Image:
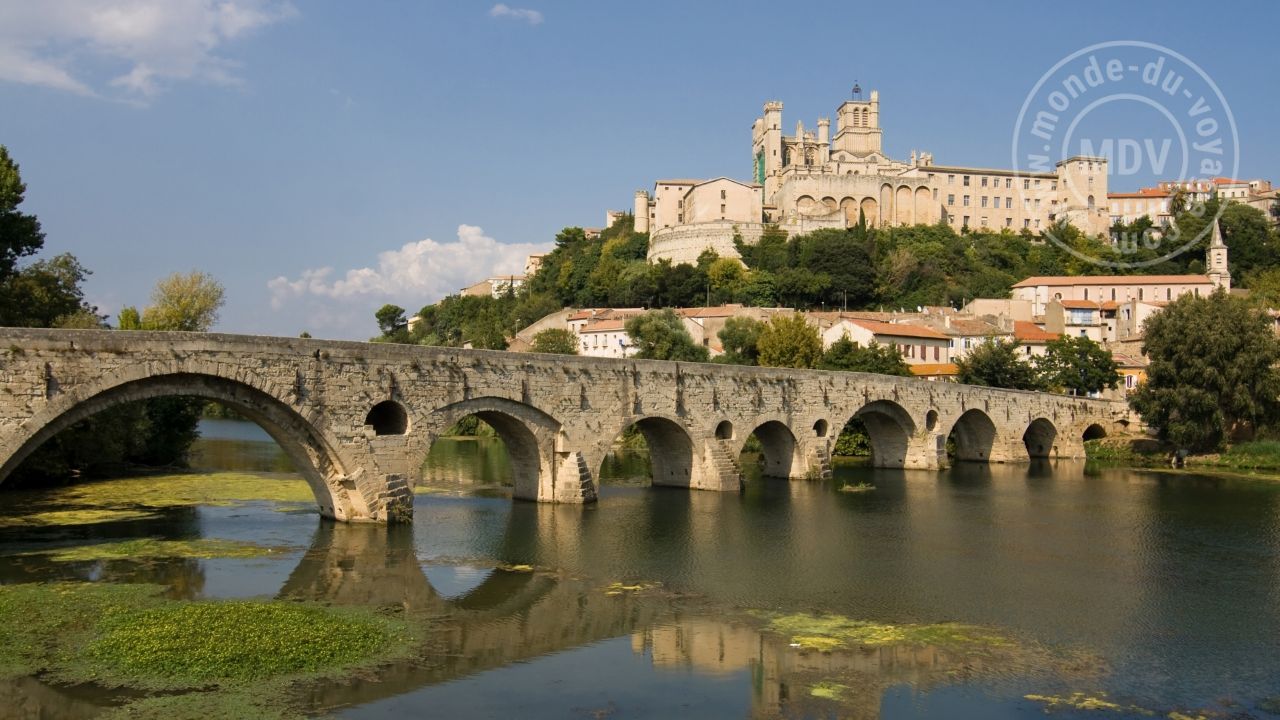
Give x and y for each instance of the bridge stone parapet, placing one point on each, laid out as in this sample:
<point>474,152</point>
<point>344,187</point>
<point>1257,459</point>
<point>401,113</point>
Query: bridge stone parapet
<point>358,419</point>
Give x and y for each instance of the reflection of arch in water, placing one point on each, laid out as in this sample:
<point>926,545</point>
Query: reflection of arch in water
<point>377,566</point>
<point>313,451</point>
<point>510,617</point>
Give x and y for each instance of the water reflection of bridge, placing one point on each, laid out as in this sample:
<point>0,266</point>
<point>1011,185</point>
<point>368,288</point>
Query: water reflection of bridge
<point>512,616</point>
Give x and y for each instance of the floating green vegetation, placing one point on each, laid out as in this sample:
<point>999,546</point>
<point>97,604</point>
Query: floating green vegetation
<point>138,498</point>
<point>857,487</point>
<point>828,690</point>
<point>826,633</point>
<point>190,643</point>
<point>129,636</point>
<point>618,588</point>
<point>86,516</point>
<point>518,568</point>
<point>201,549</point>
<point>223,488</point>
<point>1085,701</point>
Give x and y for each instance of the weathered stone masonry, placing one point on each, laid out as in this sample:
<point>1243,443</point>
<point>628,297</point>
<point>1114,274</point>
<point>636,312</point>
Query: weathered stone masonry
<point>358,419</point>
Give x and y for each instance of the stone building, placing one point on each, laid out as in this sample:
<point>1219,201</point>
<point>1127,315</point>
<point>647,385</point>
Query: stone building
<point>812,180</point>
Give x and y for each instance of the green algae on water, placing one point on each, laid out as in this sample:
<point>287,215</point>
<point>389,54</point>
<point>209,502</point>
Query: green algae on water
<point>139,498</point>
<point>146,548</point>
<point>192,643</point>
<point>1084,701</point>
<point>829,690</point>
<point>826,633</point>
<point>85,516</point>
<point>129,636</point>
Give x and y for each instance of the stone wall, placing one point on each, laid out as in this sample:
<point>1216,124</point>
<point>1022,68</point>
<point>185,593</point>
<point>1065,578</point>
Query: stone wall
<point>558,415</point>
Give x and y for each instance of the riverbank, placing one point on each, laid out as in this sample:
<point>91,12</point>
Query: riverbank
<point>1257,458</point>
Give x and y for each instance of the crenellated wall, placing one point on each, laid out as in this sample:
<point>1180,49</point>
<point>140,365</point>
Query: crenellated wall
<point>558,415</point>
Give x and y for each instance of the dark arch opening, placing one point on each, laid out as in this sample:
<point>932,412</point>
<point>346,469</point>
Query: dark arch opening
<point>724,431</point>
<point>654,448</point>
<point>488,447</point>
<point>887,426</point>
<point>388,418</point>
<point>1094,432</point>
<point>972,436</point>
<point>820,428</point>
<point>1039,438</point>
<point>931,420</point>
<point>310,453</point>
<point>772,448</point>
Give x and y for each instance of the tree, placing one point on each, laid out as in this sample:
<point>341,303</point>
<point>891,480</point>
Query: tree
<point>129,318</point>
<point>392,325</point>
<point>1078,365</point>
<point>1212,374</point>
<point>739,337</point>
<point>184,301</point>
<point>996,363</point>
<point>20,233</point>
<point>41,293</point>
<point>845,354</point>
<point>660,335</point>
<point>789,341</point>
<point>556,341</point>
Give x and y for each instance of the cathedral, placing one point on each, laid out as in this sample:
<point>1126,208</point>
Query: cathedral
<point>808,181</point>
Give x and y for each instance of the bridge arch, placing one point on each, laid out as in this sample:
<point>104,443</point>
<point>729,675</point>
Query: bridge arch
<point>528,433</point>
<point>1039,437</point>
<point>1093,431</point>
<point>779,449</point>
<point>312,449</point>
<point>974,434</point>
<point>889,428</point>
<point>671,455</point>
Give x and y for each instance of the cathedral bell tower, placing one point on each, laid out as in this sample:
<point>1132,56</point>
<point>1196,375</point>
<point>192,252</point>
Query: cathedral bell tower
<point>1216,260</point>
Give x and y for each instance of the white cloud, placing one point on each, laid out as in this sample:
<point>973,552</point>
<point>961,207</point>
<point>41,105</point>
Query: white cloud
<point>416,274</point>
<point>533,17</point>
<point>133,46</point>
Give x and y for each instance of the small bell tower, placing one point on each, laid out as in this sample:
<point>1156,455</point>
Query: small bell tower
<point>1216,260</point>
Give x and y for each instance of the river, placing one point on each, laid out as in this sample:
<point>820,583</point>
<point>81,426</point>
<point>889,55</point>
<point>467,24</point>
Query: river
<point>1151,592</point>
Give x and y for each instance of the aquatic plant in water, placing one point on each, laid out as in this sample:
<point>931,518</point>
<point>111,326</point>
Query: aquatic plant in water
<point>146,548</point>
<point>826,633</point>
<point>129,636</point>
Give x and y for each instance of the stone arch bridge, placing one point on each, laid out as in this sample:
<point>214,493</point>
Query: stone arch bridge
<point>358,419</point>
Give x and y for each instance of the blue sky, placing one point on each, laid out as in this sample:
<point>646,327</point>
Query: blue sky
<point>410,148</point>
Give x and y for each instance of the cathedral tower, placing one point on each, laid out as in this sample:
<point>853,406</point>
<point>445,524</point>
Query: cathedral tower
<point>858,127</point>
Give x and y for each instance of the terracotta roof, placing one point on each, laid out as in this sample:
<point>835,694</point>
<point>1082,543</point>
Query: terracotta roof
<point>1110,305</point>
<point>897,329</point>
<point>603,326</point>
<point>973,327</point>
<point>935,369</point>
<point>582,315</point>
<point>1032,333</point>
<point>1080,304</point>
<point>1069,280</point>
<point>1143,192</point>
